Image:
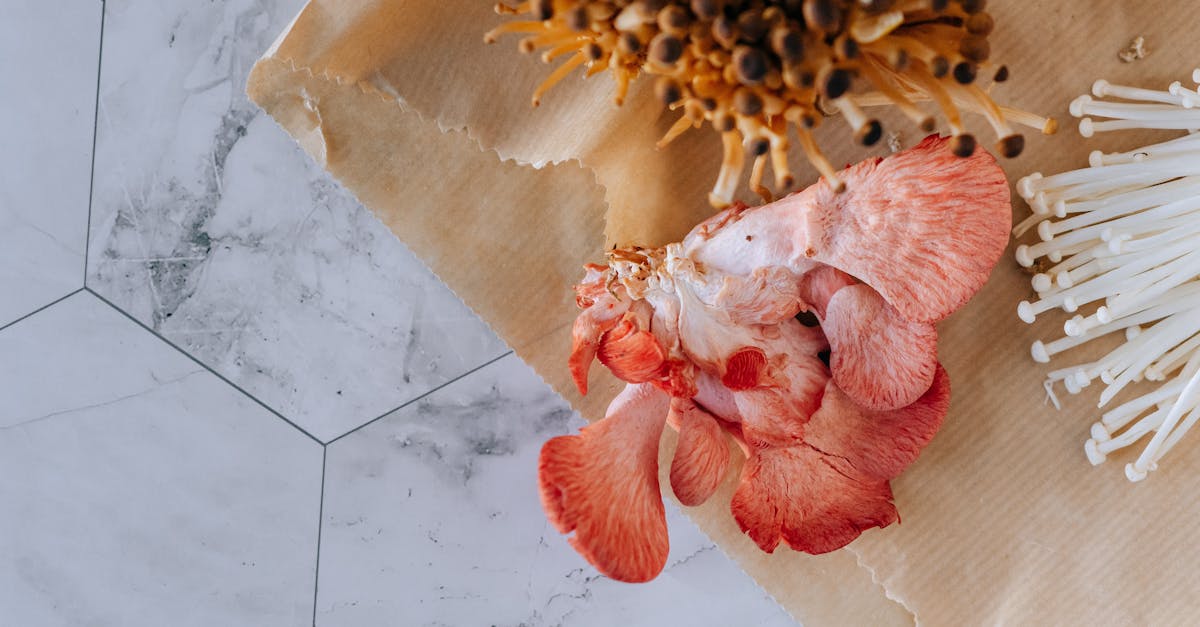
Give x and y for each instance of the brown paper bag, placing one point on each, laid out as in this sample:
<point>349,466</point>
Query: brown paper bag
<point>1003,519</point>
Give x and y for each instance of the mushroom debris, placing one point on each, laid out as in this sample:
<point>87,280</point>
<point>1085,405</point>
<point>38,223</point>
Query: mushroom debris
<point>1119,251</point>
<point>755,68</point>
<point>705,334</point>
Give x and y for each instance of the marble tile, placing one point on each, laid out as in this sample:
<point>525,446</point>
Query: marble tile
<point>139,489</point>
<point>212,227</point>
<point>48,82</point>
<point>432,518</point>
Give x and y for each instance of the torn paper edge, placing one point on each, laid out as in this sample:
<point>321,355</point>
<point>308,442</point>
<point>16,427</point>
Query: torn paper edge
<point>887,592</point>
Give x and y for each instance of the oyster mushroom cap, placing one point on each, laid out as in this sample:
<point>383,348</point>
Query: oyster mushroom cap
<point>922,227</point>
<point>818,286</point>
<point>824,512</point>
<point>602,484</point>
<point>876,356</point>
<point>879,444</point>
<point>846,459</point>
<point>701,456</point>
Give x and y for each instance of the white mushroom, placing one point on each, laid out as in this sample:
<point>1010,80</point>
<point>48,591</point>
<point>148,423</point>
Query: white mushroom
<point>1122,242</point>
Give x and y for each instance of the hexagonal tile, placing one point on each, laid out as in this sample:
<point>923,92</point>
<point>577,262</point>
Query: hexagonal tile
<point>140,489</point>
<point>432,517</point>
<point>211,226</point>
<point>48,78</point>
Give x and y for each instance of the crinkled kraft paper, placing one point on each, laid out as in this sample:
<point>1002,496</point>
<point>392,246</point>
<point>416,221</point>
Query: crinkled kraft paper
<point>1004,521</point>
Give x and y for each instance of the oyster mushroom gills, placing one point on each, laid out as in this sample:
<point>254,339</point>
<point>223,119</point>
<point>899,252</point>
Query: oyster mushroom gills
<point>756,69</point>
<point>704,332</point>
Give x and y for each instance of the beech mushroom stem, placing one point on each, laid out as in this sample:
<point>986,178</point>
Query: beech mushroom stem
<point>731,169</point>
<point>557,75</point>
<point>730,62</point>
<point>818,160</point>
<point>867,131</point>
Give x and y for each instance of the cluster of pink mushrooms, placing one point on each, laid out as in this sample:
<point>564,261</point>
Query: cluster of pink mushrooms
<point>706,335</point>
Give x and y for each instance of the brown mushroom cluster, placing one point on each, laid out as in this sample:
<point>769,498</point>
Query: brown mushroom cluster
<point>755,68</point>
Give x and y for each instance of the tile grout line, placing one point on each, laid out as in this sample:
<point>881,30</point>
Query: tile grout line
<point>87,235</point>
<point>422,395</point>
<point>203,365</point>
<point>41,309</point>
<point>320,525</point>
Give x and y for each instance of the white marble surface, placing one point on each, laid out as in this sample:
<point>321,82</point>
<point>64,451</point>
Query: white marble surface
<point>47,103</point>
<point>212,227</point>
<point>141,486</point>
<point>432,518</point>
<point>135,486</point>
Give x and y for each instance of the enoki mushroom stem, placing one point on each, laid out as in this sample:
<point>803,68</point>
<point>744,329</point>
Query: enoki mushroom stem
<point>1122,234</point>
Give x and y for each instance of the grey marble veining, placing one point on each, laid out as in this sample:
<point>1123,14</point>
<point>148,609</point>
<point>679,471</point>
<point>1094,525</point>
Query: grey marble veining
<point>212,227</point>
<point>48,87</point>
<point>139,489</point>
<point>432,518</point>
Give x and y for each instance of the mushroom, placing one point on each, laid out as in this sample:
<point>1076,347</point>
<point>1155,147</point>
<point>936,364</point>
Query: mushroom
<point>754,71</point>
<point>701,455</point>
<point>705,334</point>
<point>602,485</point>
<point>1121,235</point>
<point>847,458</point>
<point>923,228</point>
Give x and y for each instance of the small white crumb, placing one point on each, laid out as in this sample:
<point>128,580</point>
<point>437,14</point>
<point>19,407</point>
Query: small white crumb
<point>1134,51</point>
<point>1051,397</point>
<point>894,141</point>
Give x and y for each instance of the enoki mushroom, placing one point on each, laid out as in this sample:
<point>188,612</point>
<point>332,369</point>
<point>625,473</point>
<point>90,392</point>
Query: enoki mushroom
<point>755,68</point>
<point>1119,250</point>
